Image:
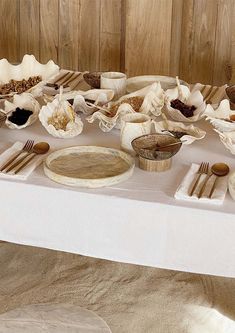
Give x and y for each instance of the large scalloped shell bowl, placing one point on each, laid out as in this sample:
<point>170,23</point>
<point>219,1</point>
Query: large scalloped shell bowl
<point>71,131</point>
<point>193,132</point>
<point>218,116</point>
<point>152,105</point>
<point>28,67</point>
<point>24,101</point>
<point>96,96</point>
<point>228,140</point>
<point>188,98</point>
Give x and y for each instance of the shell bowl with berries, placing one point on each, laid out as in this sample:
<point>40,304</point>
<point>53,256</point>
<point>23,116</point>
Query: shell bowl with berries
<point>188,106</point>
<point>24,101</point>
<point>60,119</point>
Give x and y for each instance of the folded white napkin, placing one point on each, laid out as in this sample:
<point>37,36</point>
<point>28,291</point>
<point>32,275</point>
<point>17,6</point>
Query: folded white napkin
<point>27,170</point>
<point>188,181</point>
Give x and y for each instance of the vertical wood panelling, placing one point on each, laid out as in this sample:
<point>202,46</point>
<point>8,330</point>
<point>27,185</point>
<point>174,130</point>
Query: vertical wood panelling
<point>110,35</point>
<point>89,46</point>
<point>69,11</point>
<point>176,33</point>
<point>49,23</point>
<point>29,27</point>
<point>186,50</point>
<point>9,30</point>
<point>205,18</point>
<point>224,63</point>
<point>192,38</point>
<point>148,36</point>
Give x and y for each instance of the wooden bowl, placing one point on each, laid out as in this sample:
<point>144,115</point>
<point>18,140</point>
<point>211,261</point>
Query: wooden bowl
<point>230,91</point>
<point>93,79</point>
<point>145,146</point>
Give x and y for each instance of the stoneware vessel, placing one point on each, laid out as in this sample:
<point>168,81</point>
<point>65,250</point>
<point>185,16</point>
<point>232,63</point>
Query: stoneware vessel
<point>115,81</point>
<point>133,126</point>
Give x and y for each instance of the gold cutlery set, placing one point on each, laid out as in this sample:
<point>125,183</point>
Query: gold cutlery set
<point>217,169</point>
<point>23,157</point>
<point>67,79</point>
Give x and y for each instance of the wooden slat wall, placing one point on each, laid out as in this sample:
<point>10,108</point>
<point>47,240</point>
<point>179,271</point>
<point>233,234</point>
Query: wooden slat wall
<point>192,38</point>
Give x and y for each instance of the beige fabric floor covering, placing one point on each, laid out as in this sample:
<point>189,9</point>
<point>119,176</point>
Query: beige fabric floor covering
<point>131,299</point>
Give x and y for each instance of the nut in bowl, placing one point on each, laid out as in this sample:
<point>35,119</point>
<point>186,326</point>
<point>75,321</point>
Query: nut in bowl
<point>182,105</point>
<point>156,150</point>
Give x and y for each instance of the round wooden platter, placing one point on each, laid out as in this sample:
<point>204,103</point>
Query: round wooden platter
<point>94,166</point>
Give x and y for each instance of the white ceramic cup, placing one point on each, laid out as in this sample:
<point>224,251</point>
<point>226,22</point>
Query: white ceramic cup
<point>133,125</point>
<point>115,81</point>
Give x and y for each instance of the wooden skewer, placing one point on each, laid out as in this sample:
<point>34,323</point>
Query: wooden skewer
<point>98,107</point>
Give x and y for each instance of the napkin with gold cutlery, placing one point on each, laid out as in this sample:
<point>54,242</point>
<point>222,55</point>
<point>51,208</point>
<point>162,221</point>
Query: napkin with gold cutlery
<point>24,172</point>
<point>211,94</point>
<point>182,193</point>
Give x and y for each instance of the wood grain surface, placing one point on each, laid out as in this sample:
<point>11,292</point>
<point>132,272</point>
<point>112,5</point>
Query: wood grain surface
<point>192,38</point>
<point>49,32</point>
<point>29,27</point>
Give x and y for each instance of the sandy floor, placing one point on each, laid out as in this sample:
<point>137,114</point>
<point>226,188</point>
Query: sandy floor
<point>131,299</point>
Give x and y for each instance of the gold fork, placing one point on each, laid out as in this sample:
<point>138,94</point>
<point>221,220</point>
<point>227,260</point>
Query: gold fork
<point>27,147</point>
<point>203,169</point>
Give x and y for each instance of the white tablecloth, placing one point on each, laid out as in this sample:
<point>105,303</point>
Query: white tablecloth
<point>137,221</point>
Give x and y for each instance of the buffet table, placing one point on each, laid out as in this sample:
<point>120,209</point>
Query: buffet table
<point>137,221</point>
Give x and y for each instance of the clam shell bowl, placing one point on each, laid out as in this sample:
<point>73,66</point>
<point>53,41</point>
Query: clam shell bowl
<point>152,105</point>
<point>183,93</point>
<point>145,146</point>
<point>192,132</point>
<point>24,101</point>
<point>95,96</point>
<point>72,129</point>
<point>219,117</point>
<point>28,67</point>
<point>228,140</point>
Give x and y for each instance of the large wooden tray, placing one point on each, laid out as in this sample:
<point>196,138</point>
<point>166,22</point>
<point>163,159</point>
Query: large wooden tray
<point>89,166</point>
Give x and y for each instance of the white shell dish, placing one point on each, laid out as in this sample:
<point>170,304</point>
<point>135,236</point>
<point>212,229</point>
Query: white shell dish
<point>89,166</point>
<point>193,133</point>
<point>152,105</point>
<point>218,116</point>
<point>228,139</point>
<point>24,101</point>
<point>97,96</point>
<point>73,128</point>
<point>28,67</point>
<point>139,82</point>
<point>188,98</point>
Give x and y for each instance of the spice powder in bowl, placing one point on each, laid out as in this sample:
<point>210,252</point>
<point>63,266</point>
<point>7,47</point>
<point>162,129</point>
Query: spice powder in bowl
<point>135,102</point>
